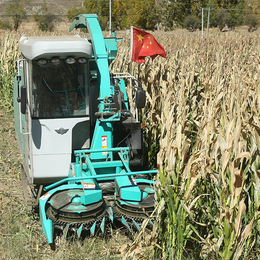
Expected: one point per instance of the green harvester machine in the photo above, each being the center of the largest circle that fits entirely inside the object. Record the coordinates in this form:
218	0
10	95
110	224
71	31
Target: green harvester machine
80	143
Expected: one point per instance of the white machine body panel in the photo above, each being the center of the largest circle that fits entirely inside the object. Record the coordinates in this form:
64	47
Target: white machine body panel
52	146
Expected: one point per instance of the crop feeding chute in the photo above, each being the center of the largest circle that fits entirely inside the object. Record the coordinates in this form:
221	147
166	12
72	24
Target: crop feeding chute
79	140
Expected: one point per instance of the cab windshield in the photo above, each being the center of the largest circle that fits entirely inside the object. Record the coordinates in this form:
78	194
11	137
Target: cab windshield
59	90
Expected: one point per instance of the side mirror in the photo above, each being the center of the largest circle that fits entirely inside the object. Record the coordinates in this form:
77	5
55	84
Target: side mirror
23	99
140	98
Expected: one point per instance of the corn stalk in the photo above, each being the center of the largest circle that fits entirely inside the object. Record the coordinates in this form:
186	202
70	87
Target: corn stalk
203	105
8	56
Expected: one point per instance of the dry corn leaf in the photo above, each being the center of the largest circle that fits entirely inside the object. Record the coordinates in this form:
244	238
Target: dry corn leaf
238	219
225	161
243	239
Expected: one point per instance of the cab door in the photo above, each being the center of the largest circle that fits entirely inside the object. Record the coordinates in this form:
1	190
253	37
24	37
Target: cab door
22	113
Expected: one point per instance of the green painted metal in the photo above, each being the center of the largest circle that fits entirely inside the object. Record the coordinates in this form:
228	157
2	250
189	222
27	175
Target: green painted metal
79	231
91	197
66	230
121	84
128	189
102	176
93	229
102	130
136	225
47	224
110	213
124	222
153	183
102	225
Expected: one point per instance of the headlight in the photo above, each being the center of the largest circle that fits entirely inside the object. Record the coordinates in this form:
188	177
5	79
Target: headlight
82	60
42	62
55	61
70	60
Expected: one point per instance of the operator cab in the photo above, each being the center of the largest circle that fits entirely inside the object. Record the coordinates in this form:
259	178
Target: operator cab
57	75
52	113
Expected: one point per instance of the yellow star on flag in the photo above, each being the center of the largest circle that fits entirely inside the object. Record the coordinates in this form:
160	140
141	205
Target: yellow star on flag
140	37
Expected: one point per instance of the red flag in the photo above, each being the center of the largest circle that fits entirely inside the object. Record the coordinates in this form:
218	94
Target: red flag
144	44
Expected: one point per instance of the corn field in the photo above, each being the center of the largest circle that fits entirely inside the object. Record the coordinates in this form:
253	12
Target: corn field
8	56
203	117
203	132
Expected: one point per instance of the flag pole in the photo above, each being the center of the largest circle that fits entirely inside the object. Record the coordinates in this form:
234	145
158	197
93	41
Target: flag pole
131	44
131	70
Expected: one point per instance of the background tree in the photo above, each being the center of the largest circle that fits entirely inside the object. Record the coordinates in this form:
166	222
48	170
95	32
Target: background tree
174	12
5	24
44	19
253	5
212	4
252	22
75	11
222	19
147	17
230	13
169	13
17	10
131	13
117	14
99	7
191	23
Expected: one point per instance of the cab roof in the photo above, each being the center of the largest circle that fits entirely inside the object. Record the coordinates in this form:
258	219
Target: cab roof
36	47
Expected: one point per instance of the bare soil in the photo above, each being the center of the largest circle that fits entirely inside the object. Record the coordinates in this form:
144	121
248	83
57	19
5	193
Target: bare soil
21	235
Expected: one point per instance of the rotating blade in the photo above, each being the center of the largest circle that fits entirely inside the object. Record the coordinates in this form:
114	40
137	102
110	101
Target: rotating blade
132	215
102	226
79	231
68	214
92	229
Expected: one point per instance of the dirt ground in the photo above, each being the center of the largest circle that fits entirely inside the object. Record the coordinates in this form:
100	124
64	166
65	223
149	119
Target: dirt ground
21	235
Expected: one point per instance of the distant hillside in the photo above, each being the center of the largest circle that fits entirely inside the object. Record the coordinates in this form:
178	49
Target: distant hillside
57	7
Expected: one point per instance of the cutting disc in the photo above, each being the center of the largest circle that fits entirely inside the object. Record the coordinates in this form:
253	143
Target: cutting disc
141	209
65	206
